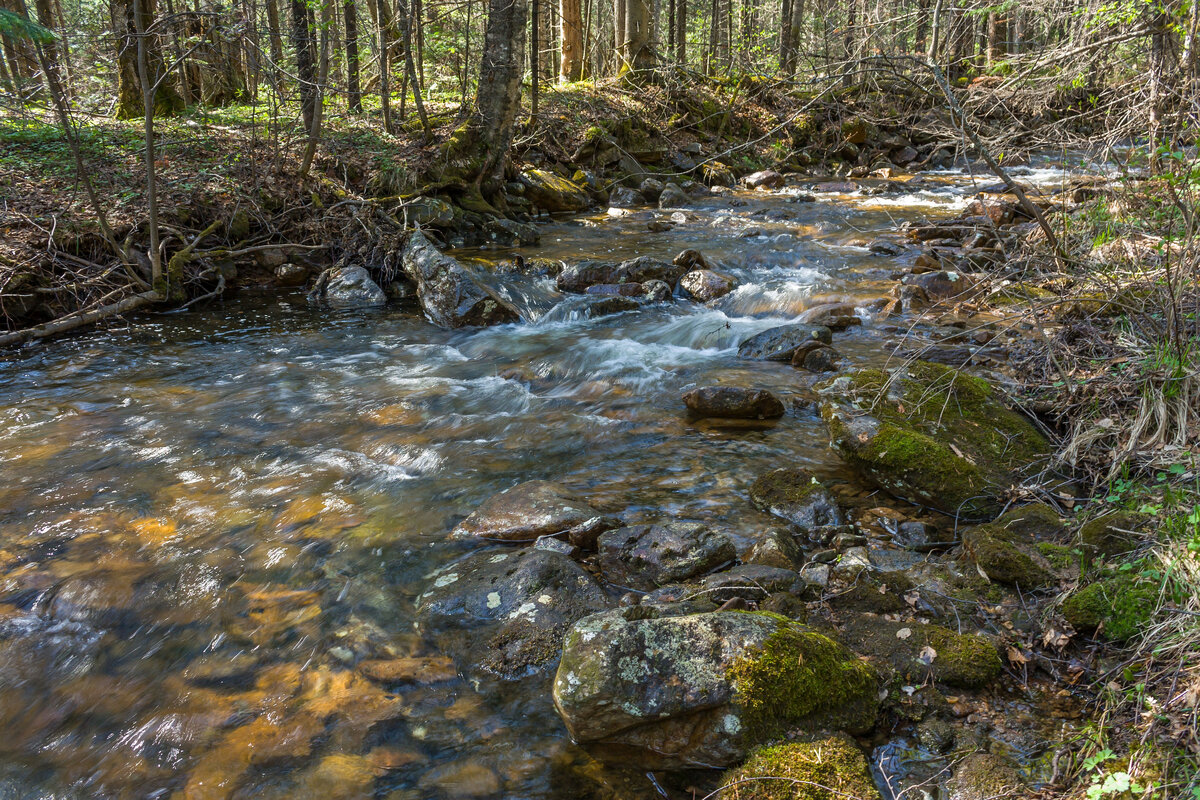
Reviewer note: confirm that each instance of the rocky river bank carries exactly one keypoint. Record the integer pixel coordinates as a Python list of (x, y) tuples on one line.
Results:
[(696, 493)]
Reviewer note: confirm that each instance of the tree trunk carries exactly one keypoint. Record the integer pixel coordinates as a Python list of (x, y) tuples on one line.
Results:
[(410, 66), (570, 20), (638, 55), (681, 32), (997, 38), (535, 67), (353, 92), (619, 35), (796, 12), (302, 40), (166, 99), (498, 98), (276, 40), (385, 88)]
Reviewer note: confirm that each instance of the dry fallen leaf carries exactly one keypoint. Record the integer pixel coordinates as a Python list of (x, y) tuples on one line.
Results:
[(1015, 656), (927, 655), (904, 633)]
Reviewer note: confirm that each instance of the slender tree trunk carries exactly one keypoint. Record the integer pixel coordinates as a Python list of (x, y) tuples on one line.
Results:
[(570, 22), (535, 68), (276, 40), (620, 45), (498, 98), (314, 130), (796, 12), (681, 32), (638, 55), (302, 41), (410, 66), (385, 89), (997, 38), (143, 13), (353, 92)]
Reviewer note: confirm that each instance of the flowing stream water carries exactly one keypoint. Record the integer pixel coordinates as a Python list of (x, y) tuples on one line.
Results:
[(205, 516)]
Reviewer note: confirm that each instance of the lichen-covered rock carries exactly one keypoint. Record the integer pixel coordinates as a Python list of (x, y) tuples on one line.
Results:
[(645, 557), (521, 602), (450, 295), (684, 689), (352, 287), (525, 512), (703, 285), (624, 197), (763, 179), (829, 768), (932, 435), (579, 276), (984, 776), (780, 344), (553, 193), (913, 651), (1119, 606), (1112, 534), (752, 582), (733, 402), (673, 197), (796, 496)]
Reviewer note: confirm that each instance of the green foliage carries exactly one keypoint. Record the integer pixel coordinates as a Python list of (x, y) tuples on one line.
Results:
[(15, 27)]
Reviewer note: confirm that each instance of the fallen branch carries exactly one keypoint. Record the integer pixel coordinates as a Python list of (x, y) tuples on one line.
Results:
[(69, 323)]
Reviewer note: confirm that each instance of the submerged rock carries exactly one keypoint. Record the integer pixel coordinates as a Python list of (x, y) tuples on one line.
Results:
[(703, 285), (645, 557), (932, 435), (678, 689), (352, 287), (984, 776), (590, 307), (451, 296), (796, 496), (553, 193), (830, 768), (780, 344), (525, 512), (624, 197), (578, 277), (733, 402)]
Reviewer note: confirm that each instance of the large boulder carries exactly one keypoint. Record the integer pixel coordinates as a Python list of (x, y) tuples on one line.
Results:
[(780, 344), (703, 285), (552, 193), (449, 294), (734, 402), (523, 600), (763, 179), (829, 768), (352, 287), (679, 689), (525, 512), (673, 197), (932, 435), (579, 276), (914, 652), (796, 496), (645, 557)]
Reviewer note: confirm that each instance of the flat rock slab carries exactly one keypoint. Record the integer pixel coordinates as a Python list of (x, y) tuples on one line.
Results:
[(780, 344), (525, 512), (733, 402), (796, 496), (644, 557)]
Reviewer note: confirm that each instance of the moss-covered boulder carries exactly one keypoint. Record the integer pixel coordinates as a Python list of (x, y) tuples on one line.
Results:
[(831, 768), (1012, 549), (984, 776), (932, 435), (677, 689), (1118, 606), (1112, 534), (553, 193), (913, 652)]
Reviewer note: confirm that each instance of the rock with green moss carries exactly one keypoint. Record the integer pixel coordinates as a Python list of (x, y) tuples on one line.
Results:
[(1112, 534), (831, 768), (932, 435), (984, 776), (681, 689), (1001, 555), (553, 193), (1119, 606), (796, 496), (913, 651)]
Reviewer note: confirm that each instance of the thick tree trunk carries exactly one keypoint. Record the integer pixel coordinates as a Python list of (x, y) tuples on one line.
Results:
[(638, 55), (353, 91), (302, 40), (997, 38), (570, 20), (498, 98), (681, 32), (276, 40), (166, 99), (796, 13)]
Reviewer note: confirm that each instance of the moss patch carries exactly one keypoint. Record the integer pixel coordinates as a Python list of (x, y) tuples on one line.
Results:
[(1112, 534), (1122, 604), (933, 434), (827, 769), (1002, 557), (801, 675)]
